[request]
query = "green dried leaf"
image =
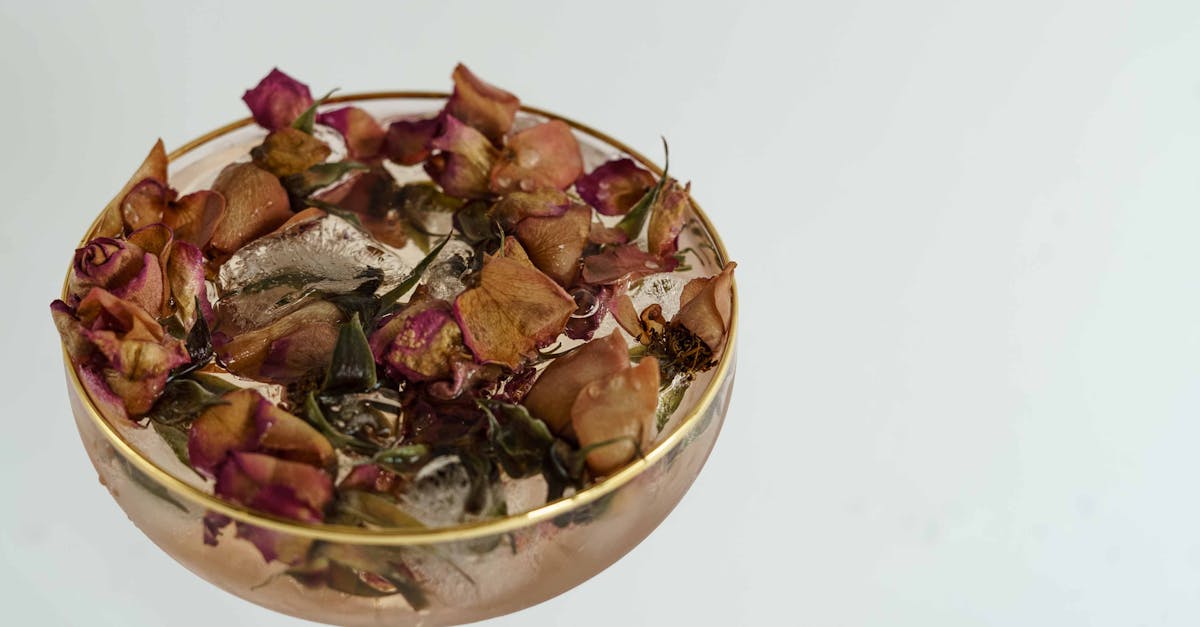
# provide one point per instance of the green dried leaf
(352, 368)
(176, 437)
(308, 119)
(388, 300)
(355, 507)
(669, 398)
(635, 220)
(313, 414)
(150, 485)
(520, 442)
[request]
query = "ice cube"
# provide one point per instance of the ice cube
(444, 277)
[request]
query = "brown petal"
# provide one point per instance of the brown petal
(289, 349)
(153, 167)
(621, 405)
(554, 392)
(542, 156)
(666, 220)
(615, 187)
(255, 204)
(194, 218)
(486, 107)
(145, 203)
(287, 151)
(627, 262)
(185, 274)
(516, 206)
(706, 306)
(407, 141)
(556, 244)
(465, 160)
(514, 310)
(363, 134)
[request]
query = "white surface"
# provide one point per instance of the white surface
(968, 242)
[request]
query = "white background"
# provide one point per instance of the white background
(967, 235)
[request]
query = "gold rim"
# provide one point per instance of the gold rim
(358, 535)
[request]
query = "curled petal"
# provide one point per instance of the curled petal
(486, 107)
(467, 376)
(554, 392)
(104, 262)
(555, 245)
(465, 160)
(623, 263)
(185, 273)
(667, 216)
(516, 206)
(194, 217)
(626, 314)
(277, 100)
(615, 187)
(282, 488)
(617, 407)
(153, 167)
(515, 309)
(407, 141)
(706, 308)
(111, 405)
(247, 422)
(255, 204)
(145, 203)
(287, 151)
(420, 343)
(296, 346)
(542, 156)
(364, 136)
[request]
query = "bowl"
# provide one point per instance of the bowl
(465, 573)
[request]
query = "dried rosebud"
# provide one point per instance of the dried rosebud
(255, 204)
(120, 350)
(363, 134)
(542, 156)
(667, 216)
(154, 167)
(615, 414)
(421, 343)
(627, 262)
(553, 394)
(286, 489)
(194, 217)
(244, 421)
(615, 187)
(488, 108)
(287, 151)
(706, 306)
(513, 207)
(514, 309)
(465, 160)
(407, 141)
(120, 267)
(277, 100)
(292, 348)
(555, 244)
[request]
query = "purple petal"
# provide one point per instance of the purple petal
(277, 100)
(364, 136)
(615, 187)
(407, 141)
(483, 106)
(466, 159)
(624, 263)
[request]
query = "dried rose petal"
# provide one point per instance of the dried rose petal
(287, 151)
(553, 394)
(706, 308)
(185, 274)
(542, 156)
(194, 217)
(287, 489)
(122, 344)
(626, 314)
(364, 136)
(247, 422)
(145, 203)
(615, 187)
(120, 267)
(255, 204)
(622, 263)
(591, 306)
(466, 159)
(620, 405)
(604, 235)
(370, 194)
(555, 245)
(407, 141)
(486, 107)
(516, 206)
(667, 216)
(277, 100)
(291, 348)
(420, 343)
(515, 309)
(153, 167)
(467, 376)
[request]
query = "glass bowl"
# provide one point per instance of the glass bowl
(467, 572)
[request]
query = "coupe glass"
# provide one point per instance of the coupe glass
(467, 572)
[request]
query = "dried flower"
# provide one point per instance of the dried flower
(542, 156)
(614, 187)
(617, 410)
(277, 100)
(488, 108)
